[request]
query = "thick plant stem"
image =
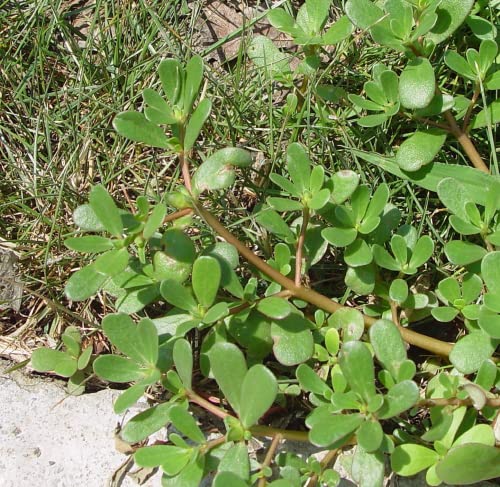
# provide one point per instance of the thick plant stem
(177, 214)
(432, 345)
(466, 143)
(300, 247)
(269, 458)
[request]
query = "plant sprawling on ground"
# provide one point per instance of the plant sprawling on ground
(312, 231)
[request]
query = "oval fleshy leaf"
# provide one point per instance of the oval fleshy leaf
(135, 126)
(417, 84)
(471, 351)
(48, 360)
(419, 149)
(451, 14)
(357, 366)
(409, 459)
(229, 369)
(206, 280)
(293, 340)
(258, 392)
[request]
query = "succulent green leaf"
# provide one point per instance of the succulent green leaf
(117, 369)
(340, 237)
(284, 204)
(490, 270)
(113, 262)
(419, 149)
(361, 279)
(171, 458)
(282, 20)
(459, 64)
(186, 424)
(451, 14)
(106, 211)
(401, 397)
(319, 199)
(236, 462)
(409, 459)
(489, 322)
(384, 259)
(368, 468)
(469, 463)
(298, 165)
(85, 218)
(357, 366)
(84, 283)
(422, 252)
(48, 360)
(388, 345)
(444, 314)
(171, 76)
(277, 308)
(206, 280)
(225, 478)
(139, 342)
(229, 369)
(89, 243)
(194, 75)
(176, 294)
(129, 397)
(157, 110)
(274, 224)
(398, 291)
(183, 361)
(293, 340)
(370, 435)
(285, 184)
(350, 321)
(309, 381)
(338, 31)
(146, 423)
(358, 253)
(195, 123)
(463, 253)
(344, 184)
(258, 392)
(334, 429)
(135, 126)
(417, 84)
(471, 351)
(363, 13)
(454, 195)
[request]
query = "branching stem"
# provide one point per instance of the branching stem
(432, 345)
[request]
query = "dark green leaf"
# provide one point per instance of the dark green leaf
(85, 218)
(490, 270)
(154, 221)
(171, 77)
(400, 398)
(171, 458)
(488, 116)
(363, 13)
(236, 461)
(157, 110)
(113, 262)
(299, 166)
(338, 31)
(194, 75)
(334, 428)
(273, 307)
(310, 381)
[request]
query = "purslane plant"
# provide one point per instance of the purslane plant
(263, 335)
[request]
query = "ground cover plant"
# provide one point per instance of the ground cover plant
(352, 281)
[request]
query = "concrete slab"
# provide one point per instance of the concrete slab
(50, 439)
